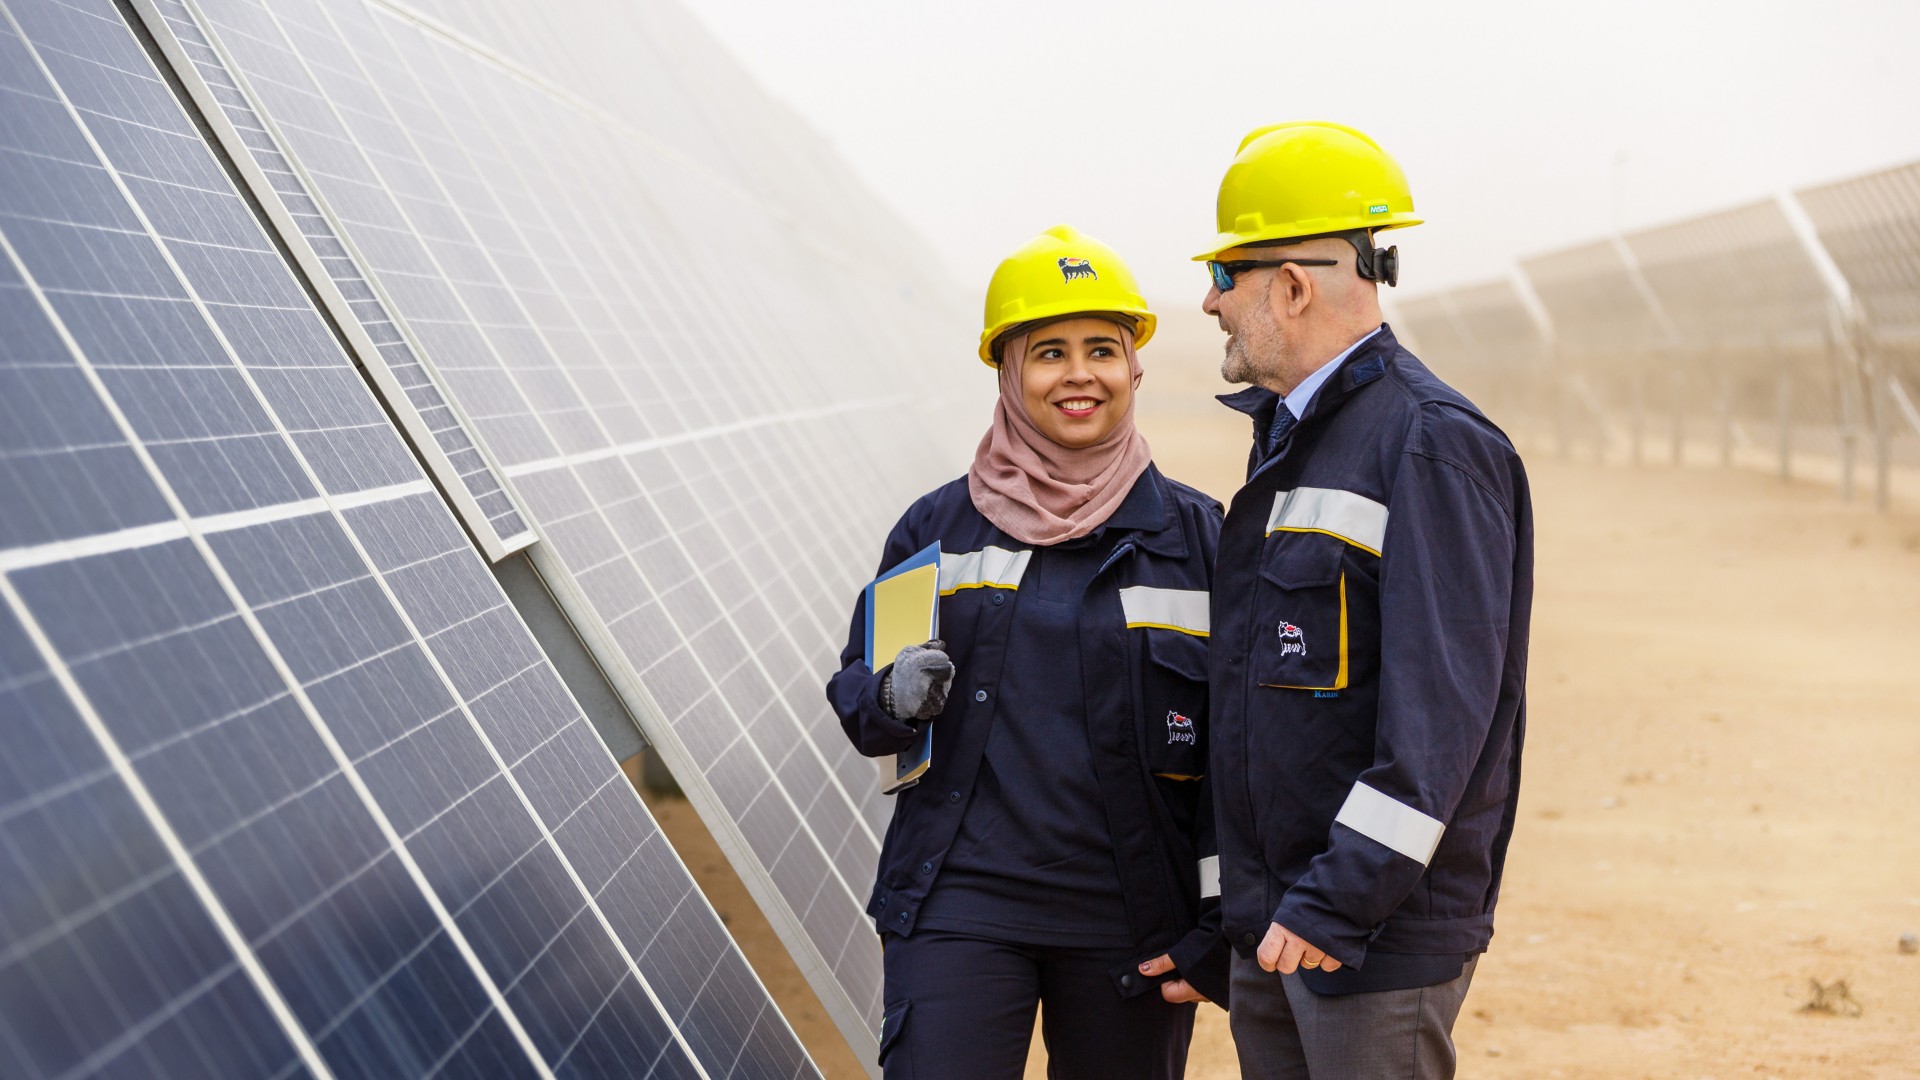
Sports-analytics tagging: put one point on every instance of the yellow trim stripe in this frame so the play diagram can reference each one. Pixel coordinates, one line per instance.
(1186, 611)
(1324, 532)
(1344, 515)
(1168, 626)
(1340, 676)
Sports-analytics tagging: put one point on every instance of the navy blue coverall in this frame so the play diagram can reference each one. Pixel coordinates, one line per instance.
(1061, 826)
(1369, 653)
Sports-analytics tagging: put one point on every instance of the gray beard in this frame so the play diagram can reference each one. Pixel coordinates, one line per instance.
(1234, 365)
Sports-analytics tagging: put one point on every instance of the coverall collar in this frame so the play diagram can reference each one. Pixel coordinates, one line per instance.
(1149, 514)
(1366, 361)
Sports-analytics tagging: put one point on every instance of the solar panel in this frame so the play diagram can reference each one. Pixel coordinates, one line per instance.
(650, 312)
(293, 791)
(1870, 225)
(1598, 308)
(1737, 281)
(1435, 330)
(417, 399)
(1497, 319)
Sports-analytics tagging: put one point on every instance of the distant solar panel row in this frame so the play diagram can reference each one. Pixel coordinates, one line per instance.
(686, 384)
(1737, 281)
(289, 788)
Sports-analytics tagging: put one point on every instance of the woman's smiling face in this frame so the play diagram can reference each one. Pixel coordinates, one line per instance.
(1076, 381)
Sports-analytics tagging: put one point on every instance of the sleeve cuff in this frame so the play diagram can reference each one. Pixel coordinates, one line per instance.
(1333, 936)
(878, 719)
(1201, 958)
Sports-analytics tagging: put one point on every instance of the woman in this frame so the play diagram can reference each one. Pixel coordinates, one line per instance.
(1051, 852)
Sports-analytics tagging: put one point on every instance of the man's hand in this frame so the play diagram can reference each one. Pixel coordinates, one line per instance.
(1285, 952)
(1174, 990)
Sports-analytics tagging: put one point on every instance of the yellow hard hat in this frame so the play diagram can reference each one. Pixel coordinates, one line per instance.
(1308, 178)
(1061, 272)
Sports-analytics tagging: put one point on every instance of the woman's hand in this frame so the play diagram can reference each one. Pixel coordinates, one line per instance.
(916, 688)
(1174, 990)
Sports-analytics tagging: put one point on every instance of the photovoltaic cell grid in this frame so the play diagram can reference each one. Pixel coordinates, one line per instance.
(1598, 309)
(291, 790)
(695, 399)
(653, 67)
(1870, 225)
(1484, 340)
(1429, 322)
(1736, 282)
(1730, 320)
(410, 389)
(1496, 319)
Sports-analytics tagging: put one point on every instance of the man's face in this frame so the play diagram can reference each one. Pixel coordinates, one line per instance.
(1253, 334)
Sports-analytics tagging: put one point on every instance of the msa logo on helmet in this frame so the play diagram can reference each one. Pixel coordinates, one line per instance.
(1377, 208)
(1293, 640)
(1073, 269)
(1179, 728)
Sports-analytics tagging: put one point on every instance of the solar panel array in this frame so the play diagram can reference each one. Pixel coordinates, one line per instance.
(1744, 326)
(694, 391)
(297, 791)
(290, 788)
(1870, 225)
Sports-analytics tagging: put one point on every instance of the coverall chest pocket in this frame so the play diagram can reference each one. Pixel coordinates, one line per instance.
(1300, 635)
(1173, 689)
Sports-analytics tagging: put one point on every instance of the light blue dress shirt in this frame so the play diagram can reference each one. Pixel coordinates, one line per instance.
(1302, 395)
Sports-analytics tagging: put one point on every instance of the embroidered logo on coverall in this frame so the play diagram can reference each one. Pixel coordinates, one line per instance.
(1179, 728)
(1293, 640)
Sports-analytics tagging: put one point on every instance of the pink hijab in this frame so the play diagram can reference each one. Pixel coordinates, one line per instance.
(1038, 491)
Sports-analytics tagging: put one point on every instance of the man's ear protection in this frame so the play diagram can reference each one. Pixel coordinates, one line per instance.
(1375, 264)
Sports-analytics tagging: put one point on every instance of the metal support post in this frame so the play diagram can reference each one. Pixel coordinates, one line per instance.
(1678, 380)
(1882, 440)
(1783, 412)
(1725, 406)
(1639, 412)
(1562, 420)
(1851, 377)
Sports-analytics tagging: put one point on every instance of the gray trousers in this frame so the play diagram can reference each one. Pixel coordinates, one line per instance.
(1285, 1031)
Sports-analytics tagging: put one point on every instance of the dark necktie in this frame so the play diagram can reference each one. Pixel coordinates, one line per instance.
(1283, 421)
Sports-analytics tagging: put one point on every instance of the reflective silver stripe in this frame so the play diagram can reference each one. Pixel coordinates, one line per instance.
(1209, 876)
(990, 567)
(1389, 821)
(1184, 610)
(1354, 518)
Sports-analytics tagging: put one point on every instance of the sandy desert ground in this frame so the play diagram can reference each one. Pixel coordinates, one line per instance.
(1721, 792)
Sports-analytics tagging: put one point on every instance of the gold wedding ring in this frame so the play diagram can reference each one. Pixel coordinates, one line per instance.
(1309, 963)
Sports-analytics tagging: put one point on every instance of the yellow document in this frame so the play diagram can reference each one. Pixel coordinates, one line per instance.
(903, 608)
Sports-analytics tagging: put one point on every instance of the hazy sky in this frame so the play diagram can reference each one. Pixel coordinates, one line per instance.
(1522, 126)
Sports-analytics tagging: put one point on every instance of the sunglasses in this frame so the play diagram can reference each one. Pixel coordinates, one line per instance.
(1223, 272)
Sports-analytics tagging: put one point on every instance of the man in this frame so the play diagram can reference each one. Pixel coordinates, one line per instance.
(1369, 645)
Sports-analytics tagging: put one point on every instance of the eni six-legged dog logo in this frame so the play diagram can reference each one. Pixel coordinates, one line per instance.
(1293, 640)
(1072, 269)
(1179, 728)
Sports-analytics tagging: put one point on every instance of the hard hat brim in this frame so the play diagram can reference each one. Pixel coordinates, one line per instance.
(1229, 241)
(1144, 324)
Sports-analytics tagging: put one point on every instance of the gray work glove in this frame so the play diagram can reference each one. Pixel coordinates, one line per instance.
(916, 687)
